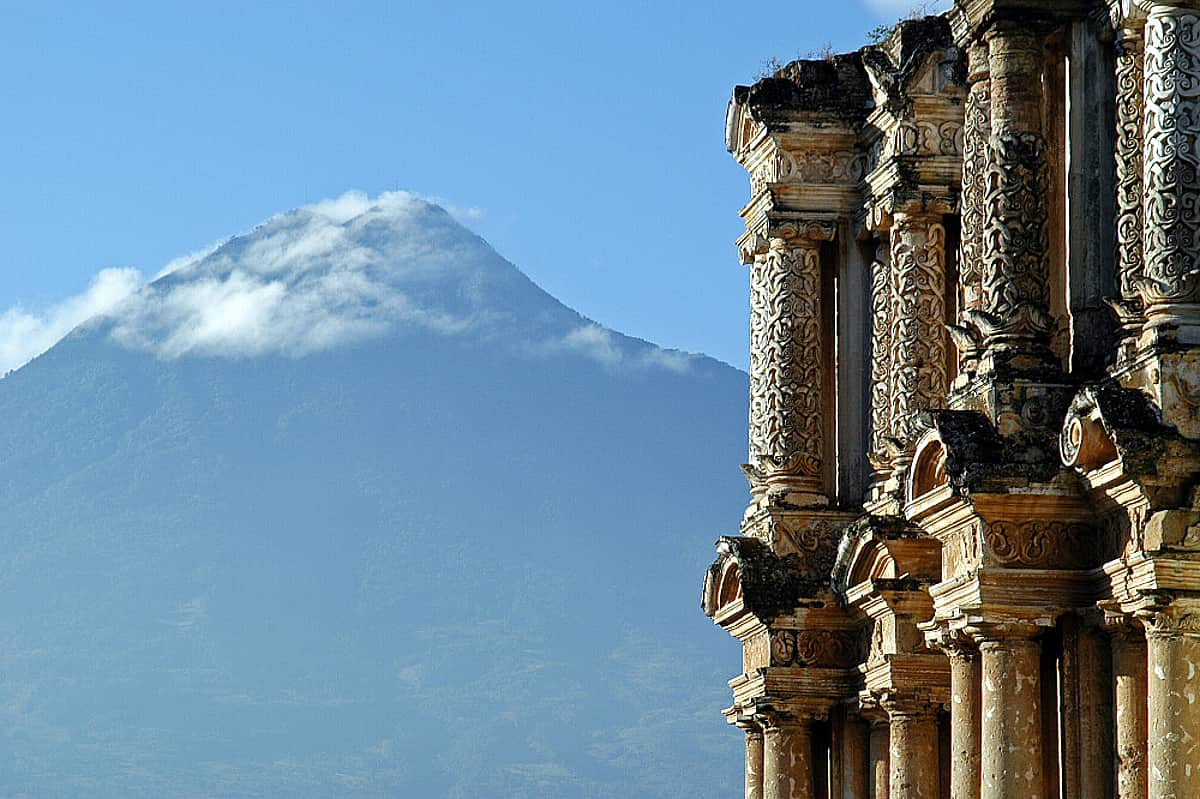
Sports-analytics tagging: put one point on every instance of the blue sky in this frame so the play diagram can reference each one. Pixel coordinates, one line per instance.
(583, 141)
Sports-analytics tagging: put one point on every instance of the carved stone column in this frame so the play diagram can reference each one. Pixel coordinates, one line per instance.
(787, 381)
(787, 758)
(914, 771)
(1015, 320)
(1129, 168)
(1171, 278)
(1012, 717)
(917, 343)
(754, 759)
(977, 130)
(880, 771)
(965, 722)
(1129, 673)
(1173, 656)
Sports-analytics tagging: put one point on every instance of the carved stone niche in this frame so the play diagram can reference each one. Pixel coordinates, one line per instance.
(990, 512)
(883, 571)
(784, 615)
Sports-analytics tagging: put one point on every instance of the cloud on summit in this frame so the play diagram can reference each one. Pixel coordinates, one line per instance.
(338, 271)
(26, 334)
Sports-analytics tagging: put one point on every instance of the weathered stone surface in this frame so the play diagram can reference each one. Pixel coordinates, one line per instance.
(984, 180)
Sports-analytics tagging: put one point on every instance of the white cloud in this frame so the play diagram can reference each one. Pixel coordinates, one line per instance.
(24, 334)
(336, 272)
(603, 345)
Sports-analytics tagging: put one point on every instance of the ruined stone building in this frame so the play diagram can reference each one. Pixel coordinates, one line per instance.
(971, 562)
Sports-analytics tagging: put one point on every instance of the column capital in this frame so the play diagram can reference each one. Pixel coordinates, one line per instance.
(990, 635)
(772, 714)
(1179, 618)
(1163, 6)
(956, 644)
(902, 705)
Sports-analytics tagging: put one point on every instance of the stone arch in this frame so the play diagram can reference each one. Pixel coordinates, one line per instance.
(730, 589)
(928, 470)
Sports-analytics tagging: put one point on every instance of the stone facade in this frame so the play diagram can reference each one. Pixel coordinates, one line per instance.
(970, 566)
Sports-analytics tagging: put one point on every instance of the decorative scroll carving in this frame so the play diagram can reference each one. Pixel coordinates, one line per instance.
(834, 649)
(1172, 157)
(840, 166)
(1129, 144)
(786, 395)
(1016, 238)
(918, 315)
(925, 138)
(811, 539)
(1040, 544)
(881, 351)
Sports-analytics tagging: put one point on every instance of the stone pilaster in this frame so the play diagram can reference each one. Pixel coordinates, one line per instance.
(1130, 697)
(917, 341)
(914, 766)
(1016, 321)
(1130, 142)
(1173, 654)
(1170, 286)
(787, 369)
(787, 757)
(855, 757)
(1011, 762)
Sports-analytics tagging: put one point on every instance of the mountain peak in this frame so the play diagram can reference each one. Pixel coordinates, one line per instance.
(356, 268)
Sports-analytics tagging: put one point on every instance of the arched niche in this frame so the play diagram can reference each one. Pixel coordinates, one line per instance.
(928, 470)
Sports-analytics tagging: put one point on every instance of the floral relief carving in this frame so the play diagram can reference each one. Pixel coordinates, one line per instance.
(1016, 237)
(918, 338)
(837, 649)
(841, 166)
(786, 399)
(881, 352)
(977, 129)
(1172, 157)
(1040, 544)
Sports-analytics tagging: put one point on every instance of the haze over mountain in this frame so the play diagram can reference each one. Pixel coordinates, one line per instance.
(350, 507)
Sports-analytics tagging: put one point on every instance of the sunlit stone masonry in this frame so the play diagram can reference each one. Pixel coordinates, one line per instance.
(970, 566)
